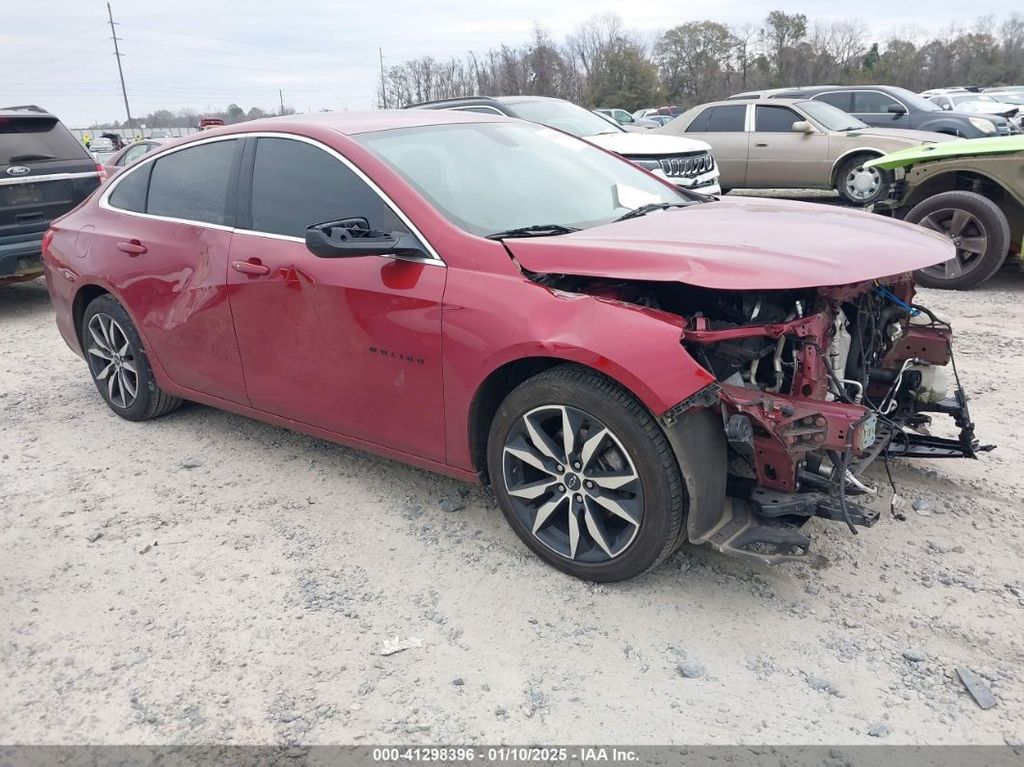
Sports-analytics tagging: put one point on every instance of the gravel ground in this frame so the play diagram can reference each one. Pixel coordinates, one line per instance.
(205, 577)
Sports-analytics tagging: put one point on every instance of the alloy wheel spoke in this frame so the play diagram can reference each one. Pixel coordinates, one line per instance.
(596, 530)
(570, 425)
(974, 244)
(529, 457)
(129, 365)
(545, 511)
(532, 490)
(107, 332)
(590, 446)
(574, 531)
(106, 371)
(542, 441)
(959, 221)
(126, 384)
(612, 481)
(98, 338)
(953, 268)
(111, 380)
(930, 222)
(103, 354)
(615, 507)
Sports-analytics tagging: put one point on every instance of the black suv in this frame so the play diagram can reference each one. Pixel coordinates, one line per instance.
(44, 173)
(885, 106)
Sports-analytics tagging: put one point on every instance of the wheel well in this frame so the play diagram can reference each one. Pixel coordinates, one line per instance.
(960, 180)
(85, 296)
(865, 153)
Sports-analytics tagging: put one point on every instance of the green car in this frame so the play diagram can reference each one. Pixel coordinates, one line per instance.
(970, 190)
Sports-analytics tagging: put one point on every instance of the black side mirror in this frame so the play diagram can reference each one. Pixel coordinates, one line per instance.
(352, 238)
(896, 109)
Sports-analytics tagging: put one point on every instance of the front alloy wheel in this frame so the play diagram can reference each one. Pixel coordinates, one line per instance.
(585, 476)
(572, 483)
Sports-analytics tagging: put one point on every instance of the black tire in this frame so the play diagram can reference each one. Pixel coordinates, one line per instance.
(661, 507)
(148, 400)
(985, 220)
(882, 177)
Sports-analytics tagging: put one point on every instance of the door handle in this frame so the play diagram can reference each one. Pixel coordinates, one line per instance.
(761, 143)
(132, 247)
(252, 266)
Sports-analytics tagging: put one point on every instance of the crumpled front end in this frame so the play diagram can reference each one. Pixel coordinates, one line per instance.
(812, 387)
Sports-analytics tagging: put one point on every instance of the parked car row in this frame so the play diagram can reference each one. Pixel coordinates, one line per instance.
(630, 365)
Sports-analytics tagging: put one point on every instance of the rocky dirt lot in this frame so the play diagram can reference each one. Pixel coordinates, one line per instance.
(204, 577)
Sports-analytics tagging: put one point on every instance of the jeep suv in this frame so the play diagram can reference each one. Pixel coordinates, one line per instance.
(687, 163)
(44, 172)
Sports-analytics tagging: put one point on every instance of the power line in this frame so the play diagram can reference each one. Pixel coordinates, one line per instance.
(120, 71)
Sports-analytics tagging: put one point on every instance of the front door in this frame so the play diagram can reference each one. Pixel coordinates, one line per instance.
(782, 157)
(351, 345)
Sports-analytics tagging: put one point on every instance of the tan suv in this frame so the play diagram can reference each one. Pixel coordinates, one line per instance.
(795, 144)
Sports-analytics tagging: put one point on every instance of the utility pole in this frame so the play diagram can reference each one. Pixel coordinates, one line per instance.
(120, 71)
(280, 96)
(383, 92)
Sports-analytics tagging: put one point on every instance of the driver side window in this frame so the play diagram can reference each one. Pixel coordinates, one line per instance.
(296, 185)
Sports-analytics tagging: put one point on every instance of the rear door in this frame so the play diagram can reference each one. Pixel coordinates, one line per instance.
(44, 173)
(873, 108)
(724, 127)
(782, 157)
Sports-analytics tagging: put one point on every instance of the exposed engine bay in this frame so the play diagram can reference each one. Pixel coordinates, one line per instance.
(813, 385)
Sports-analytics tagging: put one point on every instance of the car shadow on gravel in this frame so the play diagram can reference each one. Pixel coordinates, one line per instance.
(24, 298)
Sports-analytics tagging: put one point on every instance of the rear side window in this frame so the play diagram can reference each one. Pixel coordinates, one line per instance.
(700, 122)
(130, 192)
(872, 102)
(728, 119)
(774, 119)
(296, 185)
(838, 100)
(193, 183)
(37, 139)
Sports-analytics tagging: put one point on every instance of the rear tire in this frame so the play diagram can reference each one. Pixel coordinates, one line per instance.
(605, 505)
(118, 364)
(862, 186)
(978, 228)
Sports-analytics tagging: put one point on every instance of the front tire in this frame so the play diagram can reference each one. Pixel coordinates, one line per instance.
(585, 476)
(118, 363)
(862, 186)
(978, 229)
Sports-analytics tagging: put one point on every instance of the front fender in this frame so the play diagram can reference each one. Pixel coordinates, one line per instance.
(638, 347)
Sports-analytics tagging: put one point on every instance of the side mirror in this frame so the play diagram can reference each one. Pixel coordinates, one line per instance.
(352, 238)
(896, 109)
(802, 126)
(947, 107)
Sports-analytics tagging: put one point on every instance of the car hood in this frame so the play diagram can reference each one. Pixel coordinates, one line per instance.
(740, 244)
(647, 144)
(965, 147)
(908, 137)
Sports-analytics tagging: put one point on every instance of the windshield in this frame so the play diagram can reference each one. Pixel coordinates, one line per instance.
(830, 117)
(564, 116)
(913, 101)
(1009, 98)
(493, 177)
(969, 97)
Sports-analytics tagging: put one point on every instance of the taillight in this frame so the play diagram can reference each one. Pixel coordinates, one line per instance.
(102, 172)
(47, 239)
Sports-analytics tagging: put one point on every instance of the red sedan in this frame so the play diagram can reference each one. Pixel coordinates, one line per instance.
(628, 365)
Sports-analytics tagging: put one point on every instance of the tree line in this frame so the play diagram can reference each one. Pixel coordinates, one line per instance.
(189, 118)
(603, 63)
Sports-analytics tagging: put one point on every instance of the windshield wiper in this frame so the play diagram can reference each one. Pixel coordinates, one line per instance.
(537, 230)
(31, 156)
(643, 210)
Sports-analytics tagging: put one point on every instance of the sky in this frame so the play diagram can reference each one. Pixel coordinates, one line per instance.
(323, 54)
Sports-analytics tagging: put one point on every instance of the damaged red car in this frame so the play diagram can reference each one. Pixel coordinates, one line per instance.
(629, 366)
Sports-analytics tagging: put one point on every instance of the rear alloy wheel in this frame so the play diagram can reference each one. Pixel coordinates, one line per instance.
(585, 476)
(118, 363)
(861, 186)
(979, 231)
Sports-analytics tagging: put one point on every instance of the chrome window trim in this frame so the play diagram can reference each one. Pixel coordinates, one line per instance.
(47, 177)
(153, 156)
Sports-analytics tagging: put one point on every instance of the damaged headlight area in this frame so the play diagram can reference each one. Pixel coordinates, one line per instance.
(812, 386)
(815, 385)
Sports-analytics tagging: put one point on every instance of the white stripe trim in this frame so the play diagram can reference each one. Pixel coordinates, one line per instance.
(47, 177)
